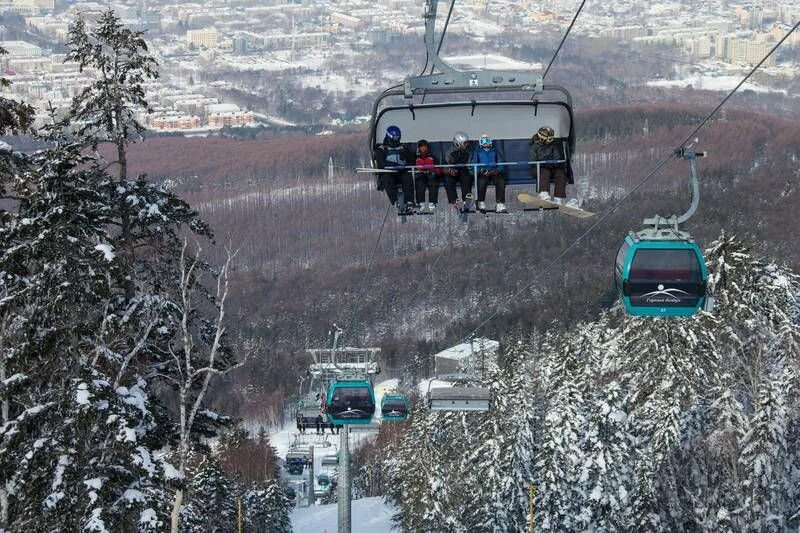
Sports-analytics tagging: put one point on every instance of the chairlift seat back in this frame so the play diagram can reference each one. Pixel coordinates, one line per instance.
(459, 399)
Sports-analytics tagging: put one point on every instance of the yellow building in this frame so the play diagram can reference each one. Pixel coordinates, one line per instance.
(206, 37)
(746, 52)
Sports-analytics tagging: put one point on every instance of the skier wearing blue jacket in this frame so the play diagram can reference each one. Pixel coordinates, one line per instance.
(490, 157)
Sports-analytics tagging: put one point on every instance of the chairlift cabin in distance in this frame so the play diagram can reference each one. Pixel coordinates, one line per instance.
(660, 270)
(473, 102)
(394, 407)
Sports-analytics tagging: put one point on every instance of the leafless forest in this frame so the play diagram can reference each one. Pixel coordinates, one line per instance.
(305, 237)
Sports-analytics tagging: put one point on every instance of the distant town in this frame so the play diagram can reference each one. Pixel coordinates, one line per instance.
(316, 45)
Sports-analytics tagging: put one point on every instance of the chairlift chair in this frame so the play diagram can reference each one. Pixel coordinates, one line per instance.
(660, 270)
(462, 398)
(331, 459)
(472, 102)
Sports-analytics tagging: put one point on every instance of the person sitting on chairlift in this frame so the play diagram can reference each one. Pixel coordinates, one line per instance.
(458, 155)
(489, 157)
(545, 147)
(392, 153)
(427, 177)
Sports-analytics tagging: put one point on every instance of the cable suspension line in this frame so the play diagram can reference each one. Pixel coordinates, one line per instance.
(441, 37)
(364, 278)
(578, 12)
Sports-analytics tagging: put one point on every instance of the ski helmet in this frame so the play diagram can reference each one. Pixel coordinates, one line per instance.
(460, 139)
(485, 142)
(393, 133)
(546, 134)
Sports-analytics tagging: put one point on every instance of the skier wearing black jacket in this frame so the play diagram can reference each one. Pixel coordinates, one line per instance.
(459, 154)
(392, 153)
(545, 147)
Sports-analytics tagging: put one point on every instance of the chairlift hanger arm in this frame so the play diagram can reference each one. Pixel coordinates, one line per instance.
(675, 220)
(450, 79)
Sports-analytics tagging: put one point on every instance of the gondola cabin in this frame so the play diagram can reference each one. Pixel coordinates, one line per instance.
(350, 401)
(661, 277)
(394, 407)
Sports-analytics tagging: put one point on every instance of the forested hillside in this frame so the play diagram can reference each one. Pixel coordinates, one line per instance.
(305, 237)
(623, 423)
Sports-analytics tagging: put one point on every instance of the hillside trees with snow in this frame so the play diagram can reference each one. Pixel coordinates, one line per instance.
(628, 423)
(104, 315)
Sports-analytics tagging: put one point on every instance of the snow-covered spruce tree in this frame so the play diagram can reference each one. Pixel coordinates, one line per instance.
(105, 110)
(266, 510)
(419, 470)
(14, 117)
(759, 341)
(213, 500)
(159, 288)
(560, 498)
(500, 464)
(75, 451)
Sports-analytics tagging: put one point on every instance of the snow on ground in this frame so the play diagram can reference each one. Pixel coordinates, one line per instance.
(370, 515)
(713, 83)
(490, 61)
(331, 82)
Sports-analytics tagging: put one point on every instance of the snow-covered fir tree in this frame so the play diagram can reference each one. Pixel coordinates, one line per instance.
(213, 502)
(266, 510)
(76, 450)
(96, 294)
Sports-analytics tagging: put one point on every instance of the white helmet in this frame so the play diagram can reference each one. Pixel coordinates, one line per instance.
(460, 139)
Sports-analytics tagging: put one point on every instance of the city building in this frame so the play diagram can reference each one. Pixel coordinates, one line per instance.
(230, 118)
(176, 122)
(206, 37)
(746, 51)
(21, 49)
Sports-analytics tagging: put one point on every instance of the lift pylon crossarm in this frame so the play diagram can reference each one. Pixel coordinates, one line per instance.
(450, 79)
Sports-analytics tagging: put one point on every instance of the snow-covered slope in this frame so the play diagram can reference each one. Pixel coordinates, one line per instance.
(370, 515)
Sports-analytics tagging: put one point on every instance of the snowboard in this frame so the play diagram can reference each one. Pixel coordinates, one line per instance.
(530, 199)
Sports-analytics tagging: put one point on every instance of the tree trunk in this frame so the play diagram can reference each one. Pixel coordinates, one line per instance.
(3, 492)
(125, 222)
(175, 521)
(184, 454)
